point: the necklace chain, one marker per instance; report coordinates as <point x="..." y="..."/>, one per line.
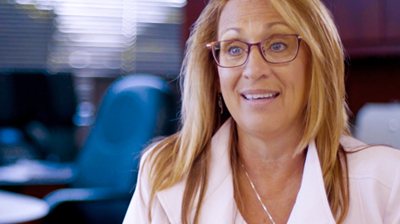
<point x="258" y="196"/>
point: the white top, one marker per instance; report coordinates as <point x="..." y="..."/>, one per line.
<point x="17" y="208"/>
<point x="374" y="178"/>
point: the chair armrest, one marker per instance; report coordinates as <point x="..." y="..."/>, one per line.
<point x="83" y="194"/>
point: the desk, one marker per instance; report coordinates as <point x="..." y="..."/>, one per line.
<point x="17" y="208"/>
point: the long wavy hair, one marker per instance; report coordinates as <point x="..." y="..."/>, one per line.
<point x="185" y="155"/>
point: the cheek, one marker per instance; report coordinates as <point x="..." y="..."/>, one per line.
<point x="226" y="80"/>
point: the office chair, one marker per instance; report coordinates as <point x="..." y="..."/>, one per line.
<point x="379" y="123"/>
<point x="133" y="110"/>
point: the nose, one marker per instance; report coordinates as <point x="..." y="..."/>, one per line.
<point x="256" y="67"/>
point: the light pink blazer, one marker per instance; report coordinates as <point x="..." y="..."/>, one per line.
<point x="374" y="175"/>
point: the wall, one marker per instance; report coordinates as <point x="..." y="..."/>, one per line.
<point x="373" y="74"/>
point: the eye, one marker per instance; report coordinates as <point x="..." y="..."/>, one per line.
<point x="235" y="50"/>
<point x="278" y="46"/>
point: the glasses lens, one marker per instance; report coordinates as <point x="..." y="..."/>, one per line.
<point x="280" y="49"/>
<point x="230" y="53"/>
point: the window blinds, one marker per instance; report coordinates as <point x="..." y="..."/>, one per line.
<point x="92" y="37"/>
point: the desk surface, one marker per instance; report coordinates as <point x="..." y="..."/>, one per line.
<point x="17" y="208"/>
<point x="31" y="172"/>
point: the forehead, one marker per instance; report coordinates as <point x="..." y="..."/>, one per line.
<point x="244" y="14"/>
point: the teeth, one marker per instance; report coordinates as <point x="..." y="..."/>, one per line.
<point x="260" y="96"/>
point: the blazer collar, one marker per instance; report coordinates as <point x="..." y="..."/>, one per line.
<point x="219" y="206"/>
<point x="312" y="204"/>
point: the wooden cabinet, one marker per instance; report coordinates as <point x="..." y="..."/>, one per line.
<point x="393" y="20"/>
<point x="368" y="27"/>
<point x="357" y="22"/>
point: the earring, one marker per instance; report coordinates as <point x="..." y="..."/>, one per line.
<point x="220" y="103"/>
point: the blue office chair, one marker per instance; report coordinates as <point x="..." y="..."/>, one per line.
<point x="379" y="123"/>
<point x="134" y="110"/>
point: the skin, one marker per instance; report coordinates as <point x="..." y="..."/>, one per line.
<point x="268" y="129"/>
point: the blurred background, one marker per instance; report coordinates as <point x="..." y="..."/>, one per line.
<point x="64" y="64"/>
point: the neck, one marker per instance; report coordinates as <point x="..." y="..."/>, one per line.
<point x="274" y="169"/>
<point x="273" y="155"/>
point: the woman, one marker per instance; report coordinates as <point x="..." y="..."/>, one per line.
<point x="264" y="135"/>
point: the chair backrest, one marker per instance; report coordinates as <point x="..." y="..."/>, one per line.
<point x="134" y="109"/>
<point x="379" y="123"/>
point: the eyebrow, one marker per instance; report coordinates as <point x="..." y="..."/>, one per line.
<point x="267" y="25"/>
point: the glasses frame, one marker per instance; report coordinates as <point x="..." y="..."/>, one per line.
<point x="211" y="45"/>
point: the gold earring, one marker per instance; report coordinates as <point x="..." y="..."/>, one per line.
<point x="220" y="103"/>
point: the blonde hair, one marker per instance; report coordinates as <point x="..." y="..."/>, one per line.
<point x="326" y="113"/>
<point x="186" y="154"/>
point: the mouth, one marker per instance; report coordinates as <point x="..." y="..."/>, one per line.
<point x="260" y="96"/>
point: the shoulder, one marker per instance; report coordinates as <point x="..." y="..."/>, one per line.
<point x="149" y="154"/>
<point x="138" y="210"/>
<point x="156" y="162"/>
<point x="374" y="182"/>
<point x="378" y="162"/>
<point x="146" y="161"/>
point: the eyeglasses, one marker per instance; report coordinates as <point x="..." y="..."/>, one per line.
<point x="275" y="50"/>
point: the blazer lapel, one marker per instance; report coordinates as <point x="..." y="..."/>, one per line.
<point x="219" y="205"/>
<point x="311" y="205"/>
